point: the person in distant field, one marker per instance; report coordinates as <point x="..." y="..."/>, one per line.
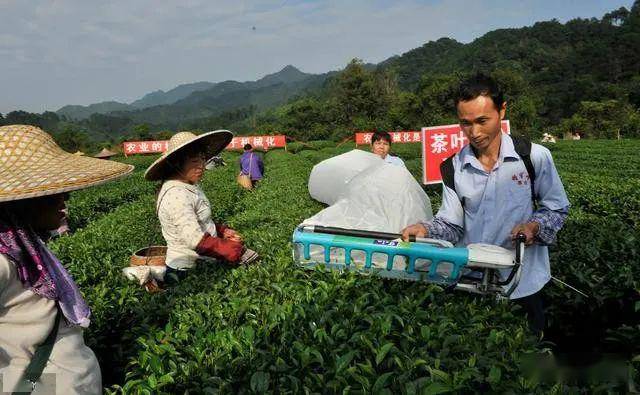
<point x="184" y="210"/>
<point x="381" y="145"/>
<point x="251" y="164"/>
<point x="493" y="197"/>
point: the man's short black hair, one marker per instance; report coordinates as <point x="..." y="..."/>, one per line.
<point x="480" y="85"/>
<point x="247" y="147"/>
<point x="381" y="136"/>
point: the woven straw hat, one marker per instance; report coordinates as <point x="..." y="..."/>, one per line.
<point x="105" y="153"/>
<point x="211" y="142"/>
<point x="32" y="165"/>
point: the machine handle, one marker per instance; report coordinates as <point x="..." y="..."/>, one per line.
<point x="439" y="243"/>
<point x="521" y="238"/>
<point x="373" y="235"/>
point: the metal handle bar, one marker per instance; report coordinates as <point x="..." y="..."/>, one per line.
<point x="372" y="234"/>
<point x="520" y="240"/>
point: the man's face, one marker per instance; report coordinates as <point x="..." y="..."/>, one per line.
<point x="381" y="148"/>
<point x="480" y="121"/>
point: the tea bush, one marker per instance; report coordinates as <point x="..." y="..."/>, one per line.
<point x="275" y="328"/>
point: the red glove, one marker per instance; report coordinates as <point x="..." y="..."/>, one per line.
<point x="219" y="248"/>
<point x="220" y="228"/>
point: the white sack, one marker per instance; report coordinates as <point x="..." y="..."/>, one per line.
<point x="383" y="197"/>
<point x="329" y="178"/>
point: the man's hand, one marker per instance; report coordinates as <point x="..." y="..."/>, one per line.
<point x="417" y="230"/>
<point x="230" y="234"/>
<point x="530" y="230"/>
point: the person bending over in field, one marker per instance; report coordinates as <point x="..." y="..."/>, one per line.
<point x="42" y="313"/>
<point x="251" y="164"/>
<point x="501" y="186"/>
<point x="184" y="210"/>
<point x="381" y="145"/>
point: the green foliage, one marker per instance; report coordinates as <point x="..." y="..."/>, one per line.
<point x="606" y="119"/>
<point x="275" y="328"/>
<point x="72" y="139"/>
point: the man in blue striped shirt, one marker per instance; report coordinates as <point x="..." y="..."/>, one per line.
<point x="492" y="199"/>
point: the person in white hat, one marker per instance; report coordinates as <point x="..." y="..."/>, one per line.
<point x="42" y="312"/>
<point x="184" y="210"/>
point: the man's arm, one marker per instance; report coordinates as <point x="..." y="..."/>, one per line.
<point x="550" y="222"/>
<point x="448" y="224"/>
<point x="553" y="204"/>
<point x="440" y="229"/>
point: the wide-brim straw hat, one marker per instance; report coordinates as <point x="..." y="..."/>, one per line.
<point x="211" y="144"/>
<point x="105" y="153"/>
<point x="33" y="165"/>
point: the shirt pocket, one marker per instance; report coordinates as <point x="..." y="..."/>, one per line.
<point x="519" y="197"/>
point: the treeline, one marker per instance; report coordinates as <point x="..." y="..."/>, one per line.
<point x="582" y="76"/>
<point x="99" y="130"/>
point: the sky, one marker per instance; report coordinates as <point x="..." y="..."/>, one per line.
<point x="59" y="52"/>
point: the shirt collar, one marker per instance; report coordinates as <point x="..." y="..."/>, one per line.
<point x="507" y="150"/>
<point x="176" y="183"/>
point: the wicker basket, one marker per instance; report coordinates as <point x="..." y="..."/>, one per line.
<point x="151" y="256"/>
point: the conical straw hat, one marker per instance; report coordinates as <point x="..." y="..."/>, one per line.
<point x="105" y="153"/>
<point x="32" y="165"/>
<point x="211" y="142"/>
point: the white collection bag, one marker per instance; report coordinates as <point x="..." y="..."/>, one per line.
<point x="366" y="193"/>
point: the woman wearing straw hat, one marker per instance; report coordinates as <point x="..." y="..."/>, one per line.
<point x="184" y="210"/>
<point x="42" y="312"/>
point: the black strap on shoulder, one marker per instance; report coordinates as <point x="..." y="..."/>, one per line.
<point x="41" y="356"/>
<point x="522" y="146"/>
<point x="447" y="173"/>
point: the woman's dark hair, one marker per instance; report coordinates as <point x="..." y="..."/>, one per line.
<point x="175" y="163"/>
<point x="20" y="213"/>
<point x="480" y="85"/>
<point x="12" y="212"/>
<point x="247" y="147"/>
<point x="381" y="136"/>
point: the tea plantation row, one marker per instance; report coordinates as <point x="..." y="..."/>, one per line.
<point x="273" y="327"/>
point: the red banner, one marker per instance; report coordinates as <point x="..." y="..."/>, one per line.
<point x="144" y="147"/>
<point x="264" y="142"/>
<point x="150" y="147"/>
<point x="439" y="143"/>
<point x="402" y="136"/>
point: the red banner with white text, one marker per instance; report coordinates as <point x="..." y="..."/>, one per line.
<point x="151" y="147"/>
<point x="402" y="136"/>
<point x="439" y="143"/>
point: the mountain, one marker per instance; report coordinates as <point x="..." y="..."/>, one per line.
<point x="205" y="98"/>
<point x="557" y="65"/>
<point x="160" y="97"/>
<point x="270" y="91"/>
<point x="74" y="112"/>
<point x="287" y="75"/>
<point x="441" y="56"/>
